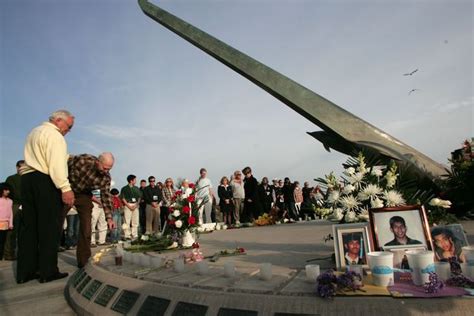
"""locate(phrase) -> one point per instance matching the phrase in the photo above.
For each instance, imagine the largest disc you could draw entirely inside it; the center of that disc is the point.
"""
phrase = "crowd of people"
(53, 191)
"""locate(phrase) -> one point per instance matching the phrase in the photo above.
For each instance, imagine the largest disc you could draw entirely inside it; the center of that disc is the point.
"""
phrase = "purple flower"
(460, 280)
(434, 285)
(327, 284)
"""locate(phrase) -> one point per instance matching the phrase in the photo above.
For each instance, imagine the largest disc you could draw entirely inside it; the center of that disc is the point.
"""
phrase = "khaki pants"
(98, 220)
(153, 222)
(131, 219)
(237, 209)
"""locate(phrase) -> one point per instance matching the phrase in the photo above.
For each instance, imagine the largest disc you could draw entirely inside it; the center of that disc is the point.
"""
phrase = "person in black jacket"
(224, 191)
(152, 196)
(288, 189)
(267, 194)
(252, 207)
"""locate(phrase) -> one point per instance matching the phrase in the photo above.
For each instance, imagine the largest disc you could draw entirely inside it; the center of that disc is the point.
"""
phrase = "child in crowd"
(116, 233)
(6, 215)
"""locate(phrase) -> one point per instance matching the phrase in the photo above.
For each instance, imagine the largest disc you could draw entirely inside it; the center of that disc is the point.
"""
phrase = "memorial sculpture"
(341, 130)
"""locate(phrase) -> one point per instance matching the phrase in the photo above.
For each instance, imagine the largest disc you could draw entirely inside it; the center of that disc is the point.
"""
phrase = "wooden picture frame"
(387, 226)
(357, 232)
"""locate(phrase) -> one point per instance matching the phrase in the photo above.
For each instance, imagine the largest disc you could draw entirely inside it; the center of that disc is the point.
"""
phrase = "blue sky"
(165, 108)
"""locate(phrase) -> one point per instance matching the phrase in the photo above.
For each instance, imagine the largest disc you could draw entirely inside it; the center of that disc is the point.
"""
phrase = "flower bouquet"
(361, 187)
(264, 220)
(183, 216)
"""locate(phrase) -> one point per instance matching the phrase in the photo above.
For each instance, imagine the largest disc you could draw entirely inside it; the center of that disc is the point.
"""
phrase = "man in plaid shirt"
(88, 173)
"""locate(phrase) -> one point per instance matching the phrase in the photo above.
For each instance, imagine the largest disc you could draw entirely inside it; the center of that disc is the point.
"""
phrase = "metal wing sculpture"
(342, 130)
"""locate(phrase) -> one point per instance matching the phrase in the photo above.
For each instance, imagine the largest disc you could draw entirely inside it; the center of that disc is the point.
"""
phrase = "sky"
(165, 108)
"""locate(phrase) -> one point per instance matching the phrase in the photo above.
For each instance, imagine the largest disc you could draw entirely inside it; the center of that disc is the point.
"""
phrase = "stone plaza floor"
(288, 247)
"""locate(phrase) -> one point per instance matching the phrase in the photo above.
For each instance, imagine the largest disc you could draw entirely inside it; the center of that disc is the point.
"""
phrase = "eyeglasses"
(151, 181)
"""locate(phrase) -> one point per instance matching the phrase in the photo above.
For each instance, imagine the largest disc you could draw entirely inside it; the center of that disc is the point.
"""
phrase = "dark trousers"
(164, 212)
(83, 203)
(142, 218)
(37, 237)
(10, 242)
(290, 206)
(3, 237)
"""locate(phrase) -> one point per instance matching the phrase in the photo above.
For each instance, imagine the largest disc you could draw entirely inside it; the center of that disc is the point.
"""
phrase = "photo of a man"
(399, 229)
(354, 252)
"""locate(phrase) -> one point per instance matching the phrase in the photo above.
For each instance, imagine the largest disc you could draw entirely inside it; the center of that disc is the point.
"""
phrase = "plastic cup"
(266, 271)
(202, 267)
(381, 265)
(156, 262)
(178, 265)
(421, 264)
(312, 272)
(229, 269)
(469, 254)
(443, 270)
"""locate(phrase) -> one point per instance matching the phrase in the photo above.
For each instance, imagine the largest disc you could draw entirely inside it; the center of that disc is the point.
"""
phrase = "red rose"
(191, 220)
(191, 185)
(191, 198)
(186, 209)
(195, 245)
(170, 210)
(241, 250)
(171, 222)
(179, 192)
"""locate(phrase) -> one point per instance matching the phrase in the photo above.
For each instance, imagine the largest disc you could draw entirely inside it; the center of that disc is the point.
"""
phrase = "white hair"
(63, 114)
(106, 157)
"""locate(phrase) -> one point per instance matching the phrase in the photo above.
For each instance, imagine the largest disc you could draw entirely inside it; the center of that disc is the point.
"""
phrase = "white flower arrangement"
(362, 187)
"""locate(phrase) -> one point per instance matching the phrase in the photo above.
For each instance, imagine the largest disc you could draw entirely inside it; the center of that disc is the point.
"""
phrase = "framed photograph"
(448, 242)
(403, 227)
(351, 244)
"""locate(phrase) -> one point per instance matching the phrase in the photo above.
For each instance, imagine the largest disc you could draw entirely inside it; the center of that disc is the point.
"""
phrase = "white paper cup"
(178, 265)
(312, 272)
(467, 270)
(202, 267)
(265, 271)
(156, 262)
(127, 256)
(443, 270)
(145, 260)
(469, 254)
(421, 264)
(229, 269)
(381, 265)
(136, 258)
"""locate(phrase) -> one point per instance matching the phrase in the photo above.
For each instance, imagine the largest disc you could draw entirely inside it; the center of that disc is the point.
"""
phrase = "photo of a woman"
(446, 244)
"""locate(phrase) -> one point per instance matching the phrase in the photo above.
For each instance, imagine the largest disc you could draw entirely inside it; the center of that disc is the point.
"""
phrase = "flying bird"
(411, 73)
(413, 90)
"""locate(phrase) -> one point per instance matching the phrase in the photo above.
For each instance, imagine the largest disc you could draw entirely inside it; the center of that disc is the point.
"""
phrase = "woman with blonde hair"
(225, 196)
(238, 195)
(168, 193)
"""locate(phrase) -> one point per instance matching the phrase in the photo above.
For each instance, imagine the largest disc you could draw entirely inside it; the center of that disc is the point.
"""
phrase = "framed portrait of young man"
(351, 244)
(402, 227)
(448, 242)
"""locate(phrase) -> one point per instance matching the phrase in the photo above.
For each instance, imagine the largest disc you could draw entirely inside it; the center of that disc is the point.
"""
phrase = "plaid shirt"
(168, 193)
(85, 177)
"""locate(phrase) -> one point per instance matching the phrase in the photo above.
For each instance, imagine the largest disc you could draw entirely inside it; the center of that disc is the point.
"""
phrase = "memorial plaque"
(235, 312)
(78, 277)
(188, 309)
(154, 306)
(125, 302)
(83, 284)
(106, 295)
(92, 289)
